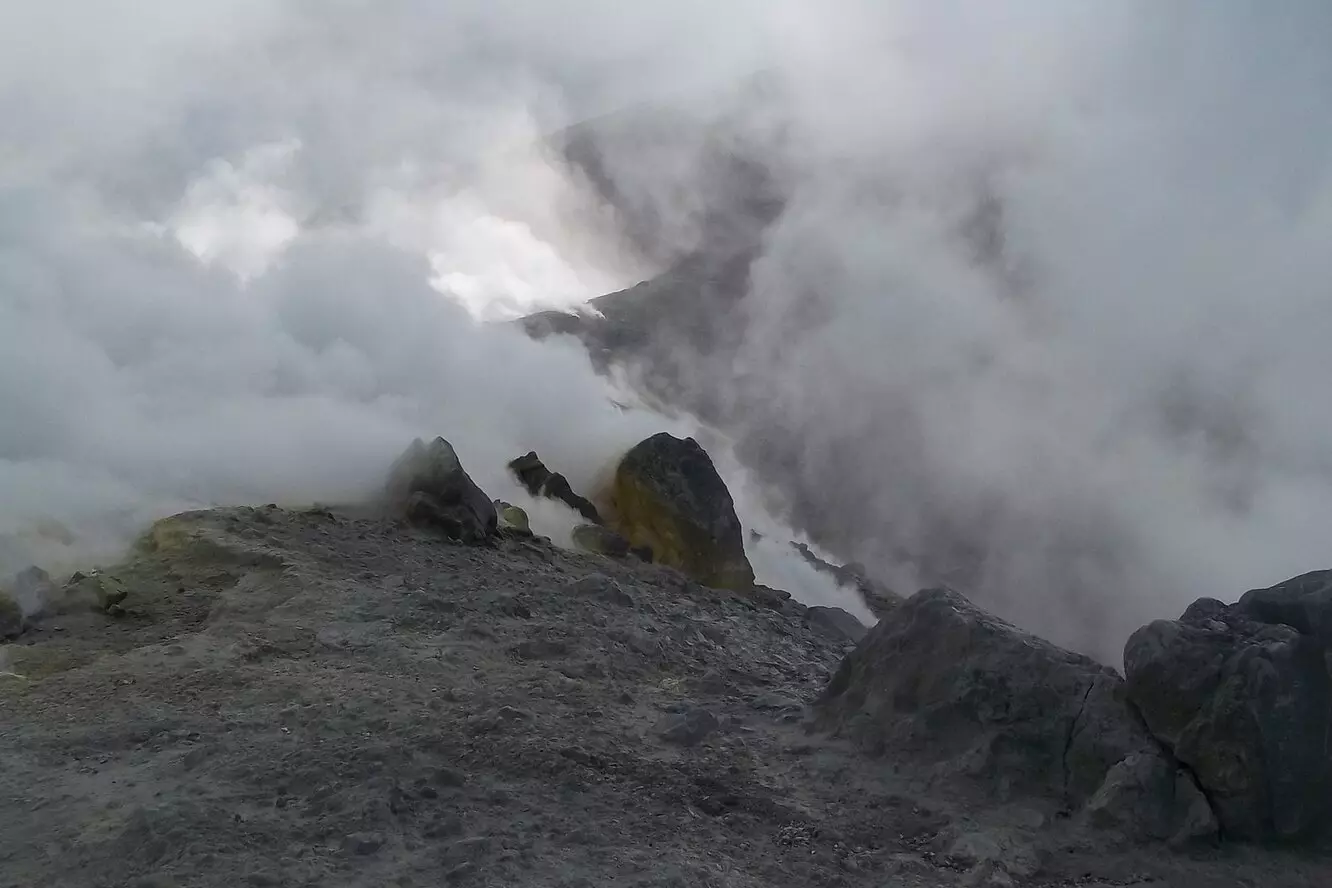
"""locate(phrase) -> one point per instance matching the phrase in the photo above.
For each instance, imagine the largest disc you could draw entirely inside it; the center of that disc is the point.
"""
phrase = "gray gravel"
(318, 698)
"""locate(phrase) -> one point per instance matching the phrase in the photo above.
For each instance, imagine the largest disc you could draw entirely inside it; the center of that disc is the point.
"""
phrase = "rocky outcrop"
(942, 681)
(941, 678)
(34, 596)
(428, 487)
(835, 621)
(538, 480)
(93, 591)
(878, 597)
(668, 497)
(1241, 695)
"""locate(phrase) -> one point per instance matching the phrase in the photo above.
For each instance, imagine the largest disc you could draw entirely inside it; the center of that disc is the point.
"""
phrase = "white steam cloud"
(1049, 296)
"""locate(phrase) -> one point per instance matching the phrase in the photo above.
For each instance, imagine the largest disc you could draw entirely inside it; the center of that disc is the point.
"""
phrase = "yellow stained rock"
(666, 495)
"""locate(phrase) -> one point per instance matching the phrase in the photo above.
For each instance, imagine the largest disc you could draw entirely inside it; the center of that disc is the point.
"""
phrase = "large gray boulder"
(941, 679)
(1241, 695)
(428, 486)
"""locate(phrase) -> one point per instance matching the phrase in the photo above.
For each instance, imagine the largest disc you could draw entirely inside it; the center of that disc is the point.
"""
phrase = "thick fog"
(1046, 305)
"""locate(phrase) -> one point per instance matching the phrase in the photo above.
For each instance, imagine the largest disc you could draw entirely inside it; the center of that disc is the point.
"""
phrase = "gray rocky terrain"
(332, 697)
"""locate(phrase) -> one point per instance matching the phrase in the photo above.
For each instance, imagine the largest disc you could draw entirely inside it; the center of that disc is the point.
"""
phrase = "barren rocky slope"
(327, 698)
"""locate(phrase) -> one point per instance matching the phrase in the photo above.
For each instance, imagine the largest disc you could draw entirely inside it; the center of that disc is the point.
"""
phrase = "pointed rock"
(428, 487)
(668, 496)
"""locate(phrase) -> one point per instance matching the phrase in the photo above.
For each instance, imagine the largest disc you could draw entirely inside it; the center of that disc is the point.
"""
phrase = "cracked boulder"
(1241, 695)
(941, 680)
(428, 487)
(667, 497)
(1149, 796)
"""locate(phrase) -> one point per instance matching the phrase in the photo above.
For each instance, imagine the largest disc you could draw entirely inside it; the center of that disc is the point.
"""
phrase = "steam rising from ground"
(1049, 297)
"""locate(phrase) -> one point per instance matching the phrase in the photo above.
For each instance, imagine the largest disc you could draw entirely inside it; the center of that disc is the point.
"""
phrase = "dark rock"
(461, 873)
(878, 597)
(363, 844)
(428, 486)
(600, 540)
(1241, 695)
(449, 777)
(836, 622)
(1149, 797)
(601, 588)
(1304, 604)
(540, 649)
(668, 496)
(942, 679)
(11, 616)
(691, 727)
(773, 702)
(767, 597)
(541, 481)
(1005, 850)
(467, 850)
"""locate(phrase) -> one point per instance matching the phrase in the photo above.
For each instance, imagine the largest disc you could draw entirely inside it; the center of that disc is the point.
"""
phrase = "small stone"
(364, 844)
(713, 682)
(691, 727)
(601, 588)
(998, 847)
(461, 873)
(467, 850)
(540, 649)
(776, 703)
(511, 606)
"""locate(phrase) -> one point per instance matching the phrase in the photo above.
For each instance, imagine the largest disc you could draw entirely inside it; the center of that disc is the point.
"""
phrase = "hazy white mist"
(244, 248)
